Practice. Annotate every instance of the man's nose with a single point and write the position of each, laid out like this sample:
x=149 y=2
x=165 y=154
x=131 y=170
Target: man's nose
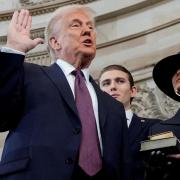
x=86 y=31
x=113 y=87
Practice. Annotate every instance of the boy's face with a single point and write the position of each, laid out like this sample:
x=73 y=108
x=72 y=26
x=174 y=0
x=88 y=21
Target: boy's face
x=116 y=83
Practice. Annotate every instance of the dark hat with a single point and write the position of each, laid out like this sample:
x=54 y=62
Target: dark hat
x=163 y=72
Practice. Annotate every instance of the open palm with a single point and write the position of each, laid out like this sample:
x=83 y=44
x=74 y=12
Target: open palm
x=19 y=32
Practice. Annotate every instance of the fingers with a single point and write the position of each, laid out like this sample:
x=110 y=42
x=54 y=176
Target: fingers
x=23 y=18
x=38 y=41
x=15 y=17
x=29 y=22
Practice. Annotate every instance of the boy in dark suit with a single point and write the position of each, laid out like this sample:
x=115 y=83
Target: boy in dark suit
x=118 y=82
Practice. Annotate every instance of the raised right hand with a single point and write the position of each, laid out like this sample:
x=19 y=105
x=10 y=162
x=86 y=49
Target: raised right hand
x=18 y=36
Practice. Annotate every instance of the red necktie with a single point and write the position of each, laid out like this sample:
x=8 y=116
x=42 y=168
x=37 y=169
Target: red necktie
x=89 y=154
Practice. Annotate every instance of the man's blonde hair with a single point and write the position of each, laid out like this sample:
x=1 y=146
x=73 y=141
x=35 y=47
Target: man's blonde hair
x=54 y=23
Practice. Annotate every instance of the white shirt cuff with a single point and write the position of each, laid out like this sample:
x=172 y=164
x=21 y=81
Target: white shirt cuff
x=10 y=50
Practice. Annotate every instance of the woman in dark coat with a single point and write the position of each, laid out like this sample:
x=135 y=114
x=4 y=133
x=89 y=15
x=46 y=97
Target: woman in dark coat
x=166 y=74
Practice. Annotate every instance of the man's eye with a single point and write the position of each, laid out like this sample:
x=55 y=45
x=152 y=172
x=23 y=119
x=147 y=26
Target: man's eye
x=120 y=81
x=75 y=25
x=105 y=84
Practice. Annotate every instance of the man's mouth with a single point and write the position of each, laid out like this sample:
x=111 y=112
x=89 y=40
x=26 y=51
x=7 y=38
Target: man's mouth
x=115 y=95
x=87 y=42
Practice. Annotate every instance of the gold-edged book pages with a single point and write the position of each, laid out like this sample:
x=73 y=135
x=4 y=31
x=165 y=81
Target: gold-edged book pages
x=166 y=141
x=167 y=134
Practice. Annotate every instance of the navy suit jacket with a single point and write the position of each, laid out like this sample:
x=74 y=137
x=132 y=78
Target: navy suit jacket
x=139 y=131
x=38 y=107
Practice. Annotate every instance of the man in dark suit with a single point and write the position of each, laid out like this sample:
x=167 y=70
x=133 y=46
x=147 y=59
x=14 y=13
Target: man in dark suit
x=61 y=125
x=166 y=75
x=117 y=81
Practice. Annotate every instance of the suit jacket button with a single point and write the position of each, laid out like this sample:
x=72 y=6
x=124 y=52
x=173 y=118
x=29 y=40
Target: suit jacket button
x=76 y=131
x=69 y=161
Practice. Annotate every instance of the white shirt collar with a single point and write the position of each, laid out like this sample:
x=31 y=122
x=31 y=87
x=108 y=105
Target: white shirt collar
x=129 y=114
x=68 y=68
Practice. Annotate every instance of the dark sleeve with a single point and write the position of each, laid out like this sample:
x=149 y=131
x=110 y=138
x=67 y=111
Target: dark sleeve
x=127 y=155
x=11 y=83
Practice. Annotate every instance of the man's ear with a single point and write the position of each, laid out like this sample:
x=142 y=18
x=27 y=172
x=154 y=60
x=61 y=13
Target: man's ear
x=133 y=91
x=54 y=43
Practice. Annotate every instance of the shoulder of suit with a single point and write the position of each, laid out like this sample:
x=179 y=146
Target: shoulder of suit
x=33 y=65
x=147 y=120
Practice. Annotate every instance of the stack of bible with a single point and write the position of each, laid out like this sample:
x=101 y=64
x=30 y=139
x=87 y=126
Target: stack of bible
x=165 y=142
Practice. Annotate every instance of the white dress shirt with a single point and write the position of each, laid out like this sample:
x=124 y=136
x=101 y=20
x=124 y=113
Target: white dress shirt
x=10 y=50
x=129 y=115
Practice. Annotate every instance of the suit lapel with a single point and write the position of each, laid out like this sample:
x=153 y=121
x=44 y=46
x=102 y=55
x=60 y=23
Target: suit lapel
x=134 y=128
x=57 y=76
x=101 y=104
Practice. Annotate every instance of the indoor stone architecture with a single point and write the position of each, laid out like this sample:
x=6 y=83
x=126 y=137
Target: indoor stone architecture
x=133 y=33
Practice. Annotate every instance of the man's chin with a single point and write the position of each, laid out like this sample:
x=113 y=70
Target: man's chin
x=88 y=56
x=85 y=59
